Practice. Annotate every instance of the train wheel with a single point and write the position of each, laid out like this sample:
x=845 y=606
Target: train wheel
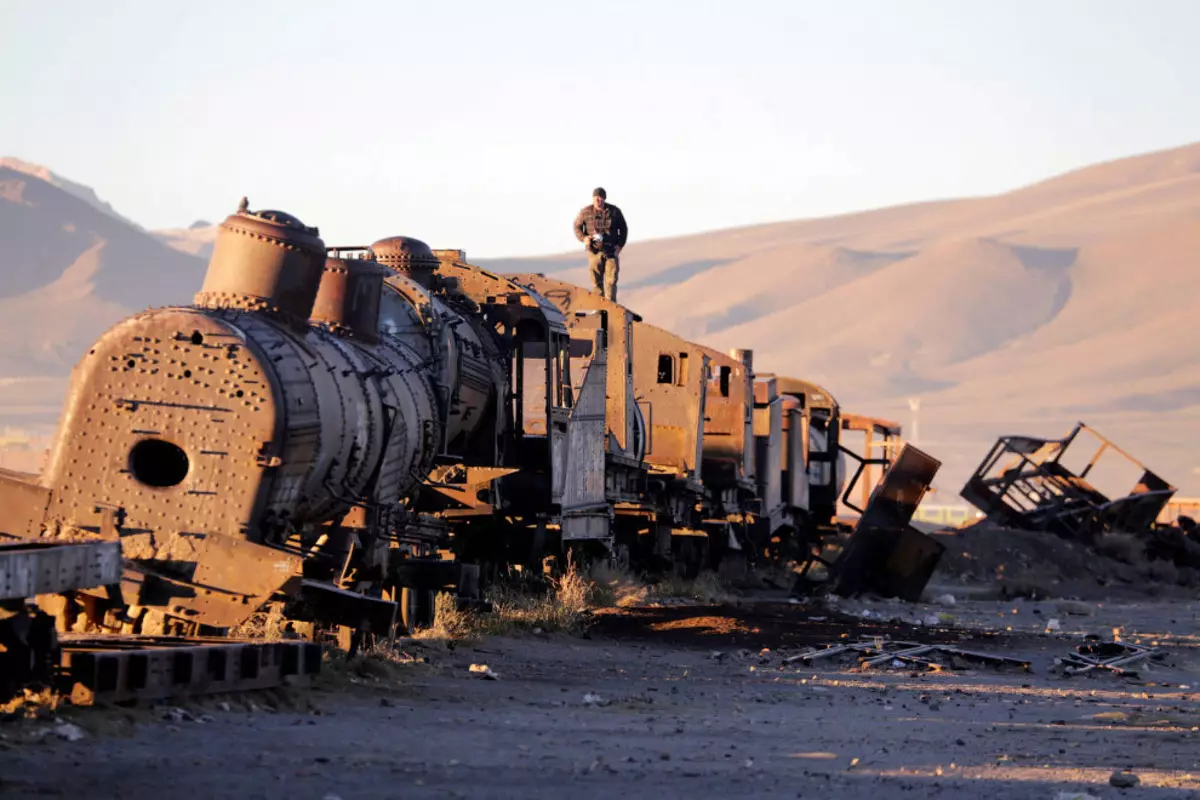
x=409 y=609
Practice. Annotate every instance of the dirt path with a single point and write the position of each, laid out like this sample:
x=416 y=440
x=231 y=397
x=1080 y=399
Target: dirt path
x=682 y=705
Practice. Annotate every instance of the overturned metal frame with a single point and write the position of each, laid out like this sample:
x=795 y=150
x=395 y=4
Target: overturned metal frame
x=881 y=441
x=1023 y=483
x=885 y=553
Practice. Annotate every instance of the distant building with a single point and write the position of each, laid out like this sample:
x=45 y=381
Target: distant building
x=952 y=516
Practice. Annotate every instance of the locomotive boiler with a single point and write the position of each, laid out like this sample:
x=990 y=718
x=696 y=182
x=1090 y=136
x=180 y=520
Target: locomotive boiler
x=222 y=442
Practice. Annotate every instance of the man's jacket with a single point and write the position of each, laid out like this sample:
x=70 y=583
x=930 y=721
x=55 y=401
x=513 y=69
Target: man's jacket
x=608 y=221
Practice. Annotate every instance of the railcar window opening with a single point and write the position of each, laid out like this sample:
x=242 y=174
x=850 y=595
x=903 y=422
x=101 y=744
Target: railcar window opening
x=681 y=378
x=666 y=368
x=725 y=373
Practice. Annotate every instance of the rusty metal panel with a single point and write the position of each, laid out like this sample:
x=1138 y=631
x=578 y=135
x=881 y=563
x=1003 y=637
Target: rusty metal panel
x=728 y=426
x=585 y=526
x=668 y=378
x=154 y=424
x=559 y=452
x=885 y=554
x=895 y=498
x=30 y=569
x=586 y=433
x=532 y=385
x=24 y=501
x=232 y=578
x=768 y=438
x=796 y=456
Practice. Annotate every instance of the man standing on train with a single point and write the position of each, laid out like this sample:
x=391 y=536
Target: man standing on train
x=602 y=229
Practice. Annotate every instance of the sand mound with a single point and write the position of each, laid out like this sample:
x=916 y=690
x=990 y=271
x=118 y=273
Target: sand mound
x=1037 y=565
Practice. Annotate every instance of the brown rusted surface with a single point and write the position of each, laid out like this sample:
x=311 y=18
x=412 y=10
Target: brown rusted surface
x=317 y=412
x=728 y=425
x=669 y=384
x=348 y=297
x=886 y=555
x=24 y=501
x=814 y=469
x=264 y=261
x=406 y=256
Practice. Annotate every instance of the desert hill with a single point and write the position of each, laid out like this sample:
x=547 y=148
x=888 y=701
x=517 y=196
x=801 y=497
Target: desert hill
x=70 y=267
x=196 y=239
x=1070 y=299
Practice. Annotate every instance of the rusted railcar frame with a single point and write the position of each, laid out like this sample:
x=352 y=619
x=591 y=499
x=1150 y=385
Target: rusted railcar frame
x=1034 y=490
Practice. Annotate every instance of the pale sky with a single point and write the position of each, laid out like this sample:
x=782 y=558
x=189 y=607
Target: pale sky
x=485 y=126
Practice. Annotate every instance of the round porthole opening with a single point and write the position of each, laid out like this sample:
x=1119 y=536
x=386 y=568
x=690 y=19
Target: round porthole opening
x=155 y=462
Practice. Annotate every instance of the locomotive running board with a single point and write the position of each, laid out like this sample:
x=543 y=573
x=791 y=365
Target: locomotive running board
x=108 y=669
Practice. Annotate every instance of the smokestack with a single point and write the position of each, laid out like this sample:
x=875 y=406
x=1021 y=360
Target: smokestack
x=348 y=297
x=264 y=261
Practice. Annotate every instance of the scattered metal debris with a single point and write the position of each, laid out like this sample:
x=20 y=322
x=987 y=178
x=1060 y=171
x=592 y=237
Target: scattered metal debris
x=880 y=652
x=1114 y=656
x=1025 y=482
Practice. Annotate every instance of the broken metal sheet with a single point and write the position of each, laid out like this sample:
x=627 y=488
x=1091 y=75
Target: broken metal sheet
x=886 y=555
x=28 y=569
x=883 y=652
x=1113 y=656
x=335 y=606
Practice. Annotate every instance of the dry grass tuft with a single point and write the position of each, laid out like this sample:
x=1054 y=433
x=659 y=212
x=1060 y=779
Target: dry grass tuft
x=616 y=586
x=267 y=623
x=537 y=604
x=707 y=588
x=449 y=623
x=380 y=666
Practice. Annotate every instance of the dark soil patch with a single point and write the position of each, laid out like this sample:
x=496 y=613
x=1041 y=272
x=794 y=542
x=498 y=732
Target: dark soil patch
x=777 y=626
x=1038 y=565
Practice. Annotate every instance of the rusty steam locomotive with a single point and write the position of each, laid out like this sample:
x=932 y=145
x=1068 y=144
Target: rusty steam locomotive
x=349 y=431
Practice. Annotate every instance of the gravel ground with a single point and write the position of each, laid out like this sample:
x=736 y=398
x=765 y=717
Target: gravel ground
x=681 y=701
